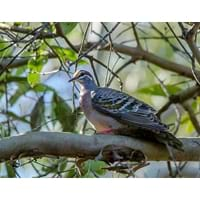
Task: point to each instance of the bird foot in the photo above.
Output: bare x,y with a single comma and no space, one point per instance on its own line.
107,131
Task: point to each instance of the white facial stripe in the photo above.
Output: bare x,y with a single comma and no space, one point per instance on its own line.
85,76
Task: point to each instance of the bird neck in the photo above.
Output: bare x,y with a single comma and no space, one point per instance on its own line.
88,86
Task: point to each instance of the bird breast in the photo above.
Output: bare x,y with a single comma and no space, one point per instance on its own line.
86,103
100,121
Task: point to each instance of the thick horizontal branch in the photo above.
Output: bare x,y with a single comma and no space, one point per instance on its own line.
140,54
75,145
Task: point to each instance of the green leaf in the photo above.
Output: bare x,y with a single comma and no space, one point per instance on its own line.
97,166
22,89
18,23
189,127
64,114
10,170
82,62
68,55
196,104
92,167
37,114
65,54
62,165
20,70
35,65
72,172
157,90
5,51
42,88
33,79
67,27
17,79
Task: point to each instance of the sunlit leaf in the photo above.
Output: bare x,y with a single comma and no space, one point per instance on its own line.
184,118
33,79
189,127
196,104
82,62
35,65
68,55
65,54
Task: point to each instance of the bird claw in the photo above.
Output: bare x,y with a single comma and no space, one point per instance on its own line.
107,131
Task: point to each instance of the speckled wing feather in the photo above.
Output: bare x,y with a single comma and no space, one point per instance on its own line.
132,112
126,109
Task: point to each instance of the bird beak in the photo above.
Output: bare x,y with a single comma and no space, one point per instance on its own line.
72,79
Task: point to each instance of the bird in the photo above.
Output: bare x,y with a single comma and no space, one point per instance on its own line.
111,111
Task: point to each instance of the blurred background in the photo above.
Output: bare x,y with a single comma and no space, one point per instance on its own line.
38,59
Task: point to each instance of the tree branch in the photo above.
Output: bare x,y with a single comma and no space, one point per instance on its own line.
181,97
75,145
190,38
186,105
17,29
139,54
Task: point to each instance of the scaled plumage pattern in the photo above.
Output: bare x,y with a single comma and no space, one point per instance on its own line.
110,110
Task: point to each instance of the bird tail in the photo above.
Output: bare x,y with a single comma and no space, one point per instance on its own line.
161,136
170,139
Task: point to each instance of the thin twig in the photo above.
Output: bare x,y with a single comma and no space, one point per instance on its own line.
192,116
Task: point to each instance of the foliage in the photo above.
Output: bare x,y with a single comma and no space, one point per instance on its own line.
34,96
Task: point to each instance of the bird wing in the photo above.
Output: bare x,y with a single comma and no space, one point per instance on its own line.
126,109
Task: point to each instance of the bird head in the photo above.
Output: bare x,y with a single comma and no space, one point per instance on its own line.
82,77
85,79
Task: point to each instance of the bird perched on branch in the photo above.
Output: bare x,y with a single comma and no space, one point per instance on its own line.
112,111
